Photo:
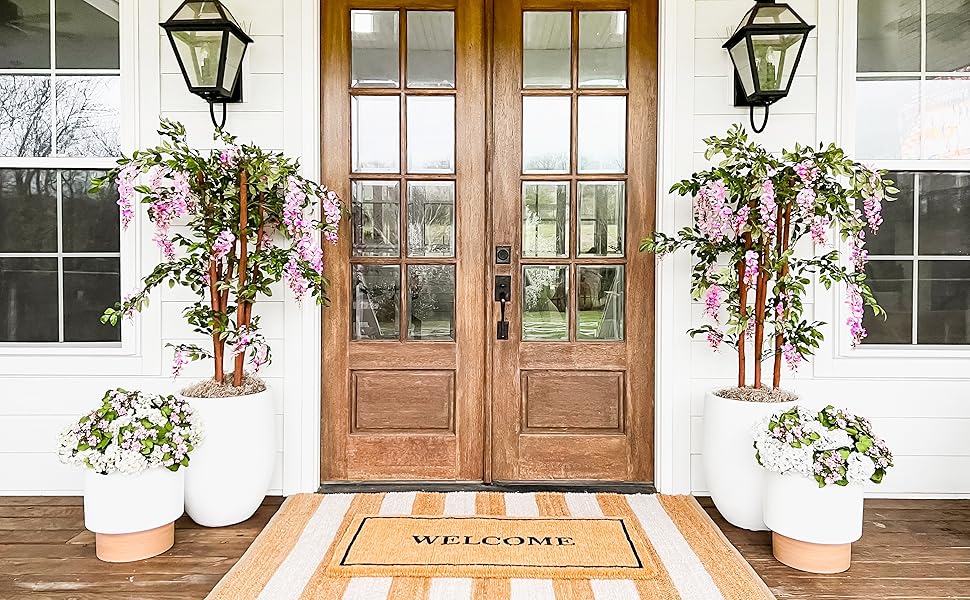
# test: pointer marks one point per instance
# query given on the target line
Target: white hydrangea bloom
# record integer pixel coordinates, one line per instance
(861, 468)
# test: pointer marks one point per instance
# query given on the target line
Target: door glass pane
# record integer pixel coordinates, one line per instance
(376, 310)
(28, 295)
(547, 49)
(90, 284)
(944, 302)
(545, 303)
(602, 134)
(944, 213)
(376, 48)
(431, 302)
(25, 41)
(87, 36)
(892, 284)
(946, 106)
(887, 118)
(376, 215)
(25, 115)
(545, 218)
(431, 218)
(602, 216)
(28, 210)
(895, 235)
(889, 35)
(602, 49)
(947, 35)
(600, 303)
(375, 134)
(545, 134)
(431, 49)
(431, 134)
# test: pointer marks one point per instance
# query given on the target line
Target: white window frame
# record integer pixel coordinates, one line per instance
(139, 84)
(837, 357)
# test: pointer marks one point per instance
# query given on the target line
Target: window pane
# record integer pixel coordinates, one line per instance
(887, 118)
(776, 56)
(376, 311)
(87, 34)
(431, 302)
(431, 218)
(431, 134)
(545, 134)
(947, 35)
(944, 302)
(90, 285)
(892, 284)
(198, 52)
(376, 134)
(602, 212)
(431, 49)
(600, 303)
(28, 211)
(88, 116)
(25, 115)
(545, 305)
(602, 49)
(545, 218)
(28, 297)
(90, 222)
(25, 36)
(889, 35)
(376, 214)
(547, 42)
(944, 213)
(375, 55)
(895, 235)
(602, 134)
(946, 126)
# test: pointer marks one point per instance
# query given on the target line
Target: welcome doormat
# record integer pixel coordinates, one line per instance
(490, 546)
(298, 555)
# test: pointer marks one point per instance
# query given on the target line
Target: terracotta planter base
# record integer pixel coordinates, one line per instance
(809, 557)
(129, 547)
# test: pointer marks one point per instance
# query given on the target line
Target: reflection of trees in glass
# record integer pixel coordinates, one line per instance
(28, 210)
(545, 290)
(432, 301)
(376, 306)
(431, 217)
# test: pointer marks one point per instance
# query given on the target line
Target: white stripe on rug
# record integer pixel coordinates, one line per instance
(367, 588)
(521, 505)
(531, 589)
(460, 504)
(450, 588)
(617, 589)
(296, 569)
(398, 503)
(686, 570)
(583, 505)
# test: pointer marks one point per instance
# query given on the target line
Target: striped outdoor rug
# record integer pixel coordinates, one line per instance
(291, 558)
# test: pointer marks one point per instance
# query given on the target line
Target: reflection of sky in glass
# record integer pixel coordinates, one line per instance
(431, 134)
(375, 134)
(886, 118)
(602, 134)
(946, 119)
(545, 134)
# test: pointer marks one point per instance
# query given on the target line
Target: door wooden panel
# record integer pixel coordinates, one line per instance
(395, 405)
(572, 393)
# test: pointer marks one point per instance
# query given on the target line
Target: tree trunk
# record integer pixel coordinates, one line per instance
(237, 374)
(761, 296)
(784, 236)
(215, 303)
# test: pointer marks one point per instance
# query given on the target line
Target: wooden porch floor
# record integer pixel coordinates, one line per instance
(910, 550)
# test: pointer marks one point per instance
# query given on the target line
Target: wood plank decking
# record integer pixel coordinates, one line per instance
(912, 550)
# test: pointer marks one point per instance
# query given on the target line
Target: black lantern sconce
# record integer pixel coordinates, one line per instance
(209, 45)
(766, 49)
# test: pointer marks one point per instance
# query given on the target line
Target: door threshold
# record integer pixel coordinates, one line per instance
(609, 487)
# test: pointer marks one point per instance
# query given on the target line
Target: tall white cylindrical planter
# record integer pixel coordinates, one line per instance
(133, 516)
(734, 478)
(230, 472)
(813, 528)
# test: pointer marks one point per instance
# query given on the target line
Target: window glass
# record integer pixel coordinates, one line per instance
(947, 35)
(889, 35)
(375, 50)
(944, 214)
(895, 235)
(943, 309)
(25, 34)
(546, 43)
(87, 34)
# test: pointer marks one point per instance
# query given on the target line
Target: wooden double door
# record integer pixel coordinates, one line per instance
(490, 317)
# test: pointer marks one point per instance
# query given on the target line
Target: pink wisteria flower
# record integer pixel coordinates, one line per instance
(714, 339)
(750, 267)
(294, 278)
(713, 298)
(713, 217)
(179, 360)
(791, 355)
(805, 199)
(223, 243)
(858, 255)
(820, 227)
(741, 219)
(768, 207)
(807, 172)
(854, 302)
(126, 193)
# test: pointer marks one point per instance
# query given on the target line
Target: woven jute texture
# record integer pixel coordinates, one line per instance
(682, 553)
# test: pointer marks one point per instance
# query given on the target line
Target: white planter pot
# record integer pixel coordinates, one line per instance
(119, 503)
(734, 478)
(230, 472)
(797, 508)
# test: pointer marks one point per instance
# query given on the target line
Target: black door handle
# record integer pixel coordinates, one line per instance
(503, 295)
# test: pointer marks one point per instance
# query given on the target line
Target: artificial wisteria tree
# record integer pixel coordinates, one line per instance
(230, 223)
(750, 212)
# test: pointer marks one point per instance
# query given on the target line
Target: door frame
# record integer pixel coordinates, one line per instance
(305, 378)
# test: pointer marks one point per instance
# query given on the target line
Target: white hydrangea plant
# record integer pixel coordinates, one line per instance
(132, 432)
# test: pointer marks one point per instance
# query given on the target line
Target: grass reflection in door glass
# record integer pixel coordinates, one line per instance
(545, 303)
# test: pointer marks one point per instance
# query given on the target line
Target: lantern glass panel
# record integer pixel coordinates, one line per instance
(773, 15)
(742, 62)
(775, 57)
(199, 53)
(193, 11)
(234, 54)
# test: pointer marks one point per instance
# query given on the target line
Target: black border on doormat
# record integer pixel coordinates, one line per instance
(595, 487)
